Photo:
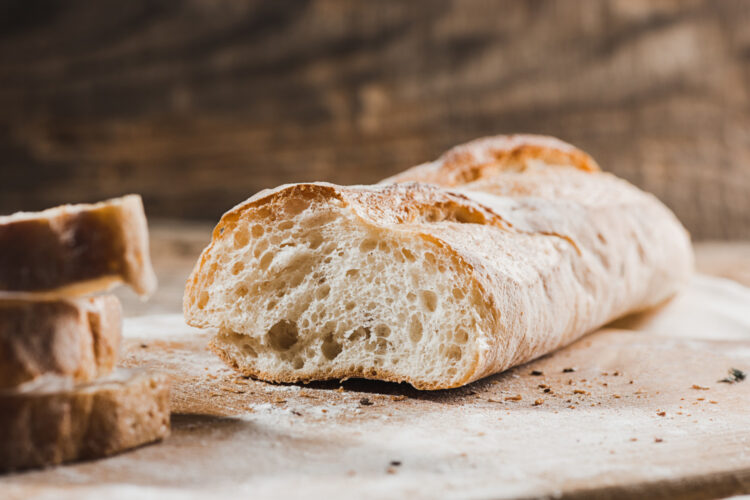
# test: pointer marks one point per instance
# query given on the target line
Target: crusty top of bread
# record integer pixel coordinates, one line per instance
(75, 249)
(488, 156)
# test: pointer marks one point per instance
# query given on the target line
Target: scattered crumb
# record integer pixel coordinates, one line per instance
(572, 407)
(658, 440)
(699, 387)
(365, 402)
(581, 391)
(701, 399)
(536, 373)
(547, 390)
(323, 410)
(616, 396)
(398, 398)
(616, 374)
(605, 374)
(735, 375)
(295, 412)
(144, 346)
(661, 413)
(713, 402)
(634, 439)
(542, 386)
(391, 470)
(568, 370)
(517, 397)
(538, 402)
(395, 463)
(570, 381)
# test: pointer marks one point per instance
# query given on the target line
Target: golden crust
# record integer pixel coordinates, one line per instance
(490, 156)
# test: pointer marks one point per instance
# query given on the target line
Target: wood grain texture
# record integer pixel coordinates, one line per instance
(198, 104)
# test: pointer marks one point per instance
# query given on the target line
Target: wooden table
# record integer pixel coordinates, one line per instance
(632, 421)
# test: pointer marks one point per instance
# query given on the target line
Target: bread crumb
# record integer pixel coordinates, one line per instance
(580, 391)
(661, 413)
(365, 402)
(658, 440)
(517, 397)
(713, 402)
(699, 387)
(398, 398)
(538, 402)
(616, 396)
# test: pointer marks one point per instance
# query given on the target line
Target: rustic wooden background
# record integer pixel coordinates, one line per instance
(198, 104)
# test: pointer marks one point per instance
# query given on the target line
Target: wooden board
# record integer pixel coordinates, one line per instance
(626, 423)
(106, 97)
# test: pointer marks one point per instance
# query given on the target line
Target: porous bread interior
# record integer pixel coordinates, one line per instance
(305, 289)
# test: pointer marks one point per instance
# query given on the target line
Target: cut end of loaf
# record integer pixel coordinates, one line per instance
(302, 288)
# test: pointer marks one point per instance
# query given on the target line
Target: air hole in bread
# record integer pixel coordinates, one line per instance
(368, 245)
(415, 329)
(330, 348)
(295, 206)
(382, 331)
(350, 306)
(323, 292)
(248, 349)
(408, 255)
(429, 300)
(461, 336)
(241, 236)
(257, 231)
(352, 273)
(361, 333)
(454, 352)
(411, 297)
(458, 294)
(283, 335)
(298, 363)
(265, 261)
(237, 267)
(202, 299)
(287, 224)
(241, 291)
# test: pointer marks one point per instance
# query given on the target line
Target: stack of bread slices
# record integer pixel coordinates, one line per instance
(61, 397)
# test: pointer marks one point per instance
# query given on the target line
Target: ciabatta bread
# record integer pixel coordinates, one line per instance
(504, 250)
(77, 338)
(51, 421)
(75, 249)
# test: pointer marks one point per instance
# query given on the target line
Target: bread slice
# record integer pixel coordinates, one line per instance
(76, 338)
(434, 285)
(75, 250)
(53, 421)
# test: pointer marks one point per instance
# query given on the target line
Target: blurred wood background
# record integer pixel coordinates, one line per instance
(198, 104)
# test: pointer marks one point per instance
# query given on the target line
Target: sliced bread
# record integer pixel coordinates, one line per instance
(74, 250)
(79, 338)
(51, 420)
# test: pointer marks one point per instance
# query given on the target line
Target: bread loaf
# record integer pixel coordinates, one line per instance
(76, 338)
(75, 249)
(501, 251)
(52, 421)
